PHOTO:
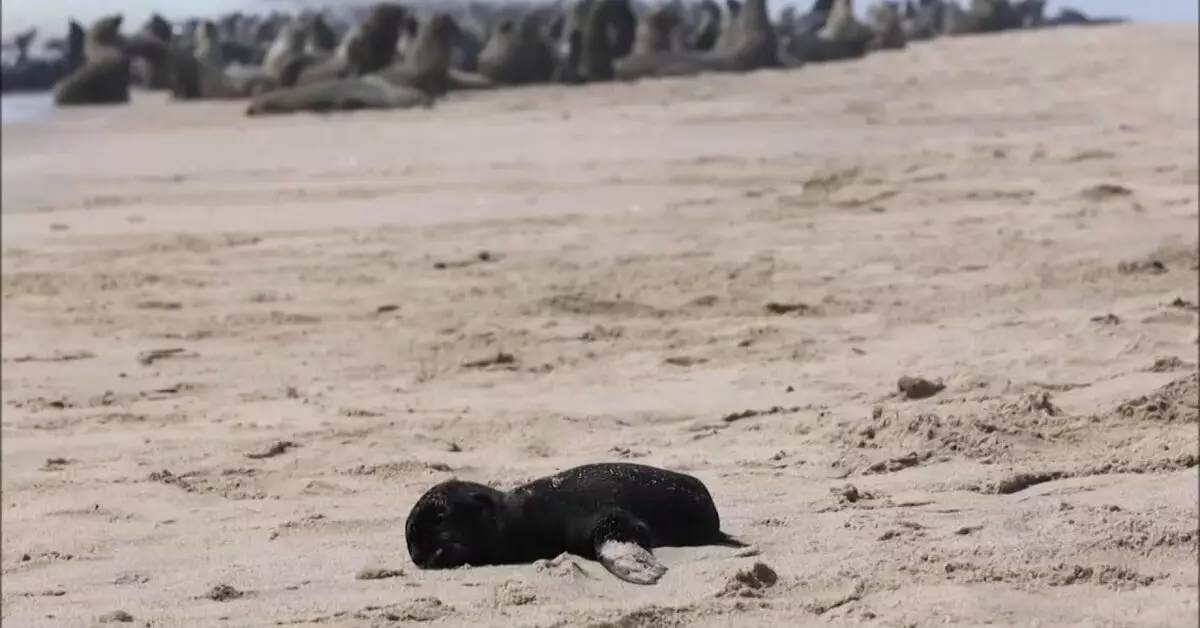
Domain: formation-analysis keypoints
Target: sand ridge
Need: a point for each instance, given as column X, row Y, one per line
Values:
column 235, row 351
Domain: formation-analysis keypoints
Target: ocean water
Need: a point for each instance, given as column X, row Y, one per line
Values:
column 17, row 108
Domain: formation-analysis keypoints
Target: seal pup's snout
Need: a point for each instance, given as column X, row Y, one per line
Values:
column 452, row 525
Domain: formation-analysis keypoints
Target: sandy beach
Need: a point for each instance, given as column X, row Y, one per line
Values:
column 236, row 350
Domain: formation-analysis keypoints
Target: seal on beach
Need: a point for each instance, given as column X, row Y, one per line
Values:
column 154, row 76
column 840, row 37
column 885, row 20
column 30, row 73
column 708, row 26
column 206, row 45
column 104, row 76
column 361, row 92
column 748, row 43
column 614, row 513
column 368, row 47
column 518, row 51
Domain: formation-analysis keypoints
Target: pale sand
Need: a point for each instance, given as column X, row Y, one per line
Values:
column 957, row 211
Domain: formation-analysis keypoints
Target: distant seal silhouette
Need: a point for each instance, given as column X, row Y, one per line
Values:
column 154, row 76
column 103, row 37
column 956, row 21
column 207, row 45
column 658, row 30
column 321, row 40
column 36, row 74
column 190, row 78
column 614, row 513
column 361, row 92
column 922, row 22
column 104, row 77
column 519, row 51
column 708, row 26
column 368, row 47
column 840, row 37
column 746, row 44
column 286, row 46
column 408, row 84
column 885, row 19
column 994, row 16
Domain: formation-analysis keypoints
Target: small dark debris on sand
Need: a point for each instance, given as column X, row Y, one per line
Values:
column 44, row 593
column 1142, row 267
column 1021, row 481
column 57, row 357
column 1107, row 319
column 683, row 360
column 752, row 582
column 425, row 609
column 131, row 577
column 1184, row 304
column 384, row 309
column 850, row 494
column 358, row 413
column 146, row 358
column 165, row 476
column 276, row 448
column 115, row 617
column 1105, row 191
column 919, row 387
column 378, row 573
column 481, row 257
column 160, row 305
column 1167, row 365
column 747, row 414
column 966, row 530
column 780, row 309
column 174, row 389
column 223, row 593
column 892, row 465
column 500, row 359
column 55, row 464
column 834, row 600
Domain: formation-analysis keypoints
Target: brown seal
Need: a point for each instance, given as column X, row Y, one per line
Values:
column 520, row 51
column 104, row 76
column 884, row 19
column 368, row 47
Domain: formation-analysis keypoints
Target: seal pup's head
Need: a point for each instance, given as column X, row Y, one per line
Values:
column 453, row 524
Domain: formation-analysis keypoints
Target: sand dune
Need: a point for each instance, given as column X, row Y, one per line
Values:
column 1014, row 215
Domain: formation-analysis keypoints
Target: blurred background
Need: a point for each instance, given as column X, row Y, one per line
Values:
column 50, row 15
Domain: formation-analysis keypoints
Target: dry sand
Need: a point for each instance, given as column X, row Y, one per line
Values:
column 1015, row 215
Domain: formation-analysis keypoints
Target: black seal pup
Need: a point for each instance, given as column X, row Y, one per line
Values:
column 614, row 513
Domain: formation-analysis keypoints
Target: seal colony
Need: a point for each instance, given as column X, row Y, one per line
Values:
column 397, row 56
column 613, row 513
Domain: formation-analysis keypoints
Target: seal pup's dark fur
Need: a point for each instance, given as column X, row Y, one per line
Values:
column 615, row 513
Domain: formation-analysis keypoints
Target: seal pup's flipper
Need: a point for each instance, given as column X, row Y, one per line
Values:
column 621, row 543
column 360, row 92
column 630, row 562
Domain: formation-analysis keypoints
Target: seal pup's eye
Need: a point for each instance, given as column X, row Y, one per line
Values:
column 480, row 500
column 438, row 516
